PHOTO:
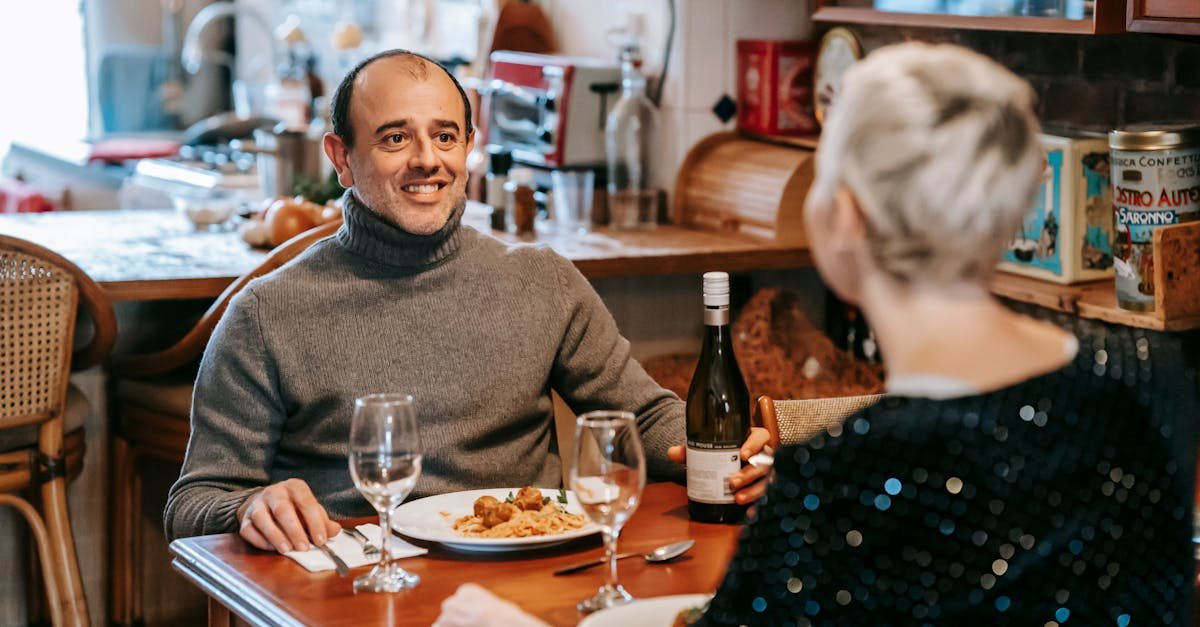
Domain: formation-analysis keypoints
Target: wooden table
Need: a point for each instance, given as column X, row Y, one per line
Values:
column 268, row 589
column 156, row 254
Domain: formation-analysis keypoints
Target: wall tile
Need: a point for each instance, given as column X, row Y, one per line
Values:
column 1124, row 58
column 1080, row 104
column 1028, row 54
column 671, row 148
column 1155, row 106
column 581, row 27
column 698, row 125
column 706, row 62
column 1187, row 64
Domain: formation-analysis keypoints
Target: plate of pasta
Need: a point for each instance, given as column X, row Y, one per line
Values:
column 495, row 520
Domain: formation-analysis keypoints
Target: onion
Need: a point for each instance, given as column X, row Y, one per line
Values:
column 287, row 219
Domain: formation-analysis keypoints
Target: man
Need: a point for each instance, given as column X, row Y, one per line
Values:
column 403, row 299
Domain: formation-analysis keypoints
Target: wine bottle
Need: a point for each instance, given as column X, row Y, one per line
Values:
column 718, row 413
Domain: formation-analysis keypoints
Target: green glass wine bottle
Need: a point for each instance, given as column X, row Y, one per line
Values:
column 718, row 413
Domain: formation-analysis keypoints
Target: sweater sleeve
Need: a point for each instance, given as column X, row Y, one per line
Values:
column 804, row 540
column 236, row 420
column 594, row 370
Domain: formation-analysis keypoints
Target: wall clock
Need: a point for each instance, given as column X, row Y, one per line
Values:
column 839, row 50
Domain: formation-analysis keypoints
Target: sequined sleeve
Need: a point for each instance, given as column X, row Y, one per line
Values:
column 1064, row 500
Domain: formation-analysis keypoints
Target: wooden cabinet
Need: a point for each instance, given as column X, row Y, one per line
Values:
column 1179, row 17
column 1108, row 17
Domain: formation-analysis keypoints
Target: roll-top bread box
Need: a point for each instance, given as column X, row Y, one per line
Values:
column 735, row 184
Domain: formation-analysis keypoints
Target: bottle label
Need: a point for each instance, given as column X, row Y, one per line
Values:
column 708, row 472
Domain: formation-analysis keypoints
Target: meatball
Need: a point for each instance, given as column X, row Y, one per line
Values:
column 529, row 499
column 499, row 514
column 485, row 504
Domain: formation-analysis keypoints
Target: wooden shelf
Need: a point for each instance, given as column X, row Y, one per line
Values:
column 1096, row 300
column 1109, row 18
column 1176, row 287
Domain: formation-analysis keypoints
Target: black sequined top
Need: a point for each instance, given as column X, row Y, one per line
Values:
column 1063, row 500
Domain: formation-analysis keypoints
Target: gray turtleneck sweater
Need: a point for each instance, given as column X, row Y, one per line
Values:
column 477, row 331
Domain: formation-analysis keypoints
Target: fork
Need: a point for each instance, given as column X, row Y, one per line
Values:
column 367, row 547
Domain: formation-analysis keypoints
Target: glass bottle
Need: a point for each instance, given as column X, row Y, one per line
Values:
column 718, row 413
column 522, row 208
column 629, row 136
column 499, row 163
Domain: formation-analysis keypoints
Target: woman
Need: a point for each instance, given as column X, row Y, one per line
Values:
column 1017, row 474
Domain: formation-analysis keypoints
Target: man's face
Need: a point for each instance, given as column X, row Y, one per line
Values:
column 409, row 157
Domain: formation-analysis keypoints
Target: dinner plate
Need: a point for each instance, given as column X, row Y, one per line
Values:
column 651, row 611
column 424, row 519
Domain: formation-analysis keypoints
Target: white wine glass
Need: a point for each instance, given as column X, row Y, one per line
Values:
column 385, row 461
column 608, row 474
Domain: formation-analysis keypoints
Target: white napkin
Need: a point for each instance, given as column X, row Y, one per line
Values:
column 351, row 551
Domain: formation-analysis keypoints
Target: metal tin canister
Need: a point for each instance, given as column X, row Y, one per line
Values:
column 1156, row 182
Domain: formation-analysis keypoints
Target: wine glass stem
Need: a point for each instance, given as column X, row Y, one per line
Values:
column 385, row 537
column 610, row 552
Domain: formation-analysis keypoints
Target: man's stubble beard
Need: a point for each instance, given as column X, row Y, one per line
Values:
column 458, row 205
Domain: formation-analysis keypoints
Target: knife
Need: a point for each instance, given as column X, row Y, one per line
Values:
column 586, row 565
column 342, row 569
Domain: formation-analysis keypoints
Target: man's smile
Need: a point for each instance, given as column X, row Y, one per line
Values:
column 425, row 189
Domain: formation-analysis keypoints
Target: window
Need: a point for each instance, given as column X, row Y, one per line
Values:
column 43, row 73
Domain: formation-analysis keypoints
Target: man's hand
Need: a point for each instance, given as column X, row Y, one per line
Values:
column 750, row 482
column 285, row 516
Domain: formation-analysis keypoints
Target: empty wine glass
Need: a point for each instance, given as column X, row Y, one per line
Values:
column 385, row 461
column 608, row 473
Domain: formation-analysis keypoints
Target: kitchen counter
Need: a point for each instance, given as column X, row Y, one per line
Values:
column 156, row 254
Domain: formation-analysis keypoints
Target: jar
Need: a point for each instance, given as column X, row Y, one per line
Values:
column 1155, row 182
column 499, row 163
column 521, row 204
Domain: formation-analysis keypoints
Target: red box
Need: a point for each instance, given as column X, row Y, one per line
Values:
column 775, row 87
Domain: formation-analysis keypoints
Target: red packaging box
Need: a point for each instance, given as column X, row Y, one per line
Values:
column 775, row 87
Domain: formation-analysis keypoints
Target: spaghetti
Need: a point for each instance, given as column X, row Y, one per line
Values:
column 528, row 515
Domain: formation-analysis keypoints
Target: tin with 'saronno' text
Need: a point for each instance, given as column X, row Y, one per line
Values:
column 1155, row 183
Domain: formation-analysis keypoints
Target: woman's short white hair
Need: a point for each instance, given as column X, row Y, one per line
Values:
column 940, row 147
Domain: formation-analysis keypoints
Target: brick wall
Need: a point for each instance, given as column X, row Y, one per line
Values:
column 1095, row 82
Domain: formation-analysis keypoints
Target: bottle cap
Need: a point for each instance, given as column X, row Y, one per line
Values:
column 499, row 159
column 716, row 289
column 521, row 176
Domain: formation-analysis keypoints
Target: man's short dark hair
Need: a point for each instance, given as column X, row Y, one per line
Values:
column 339, row 109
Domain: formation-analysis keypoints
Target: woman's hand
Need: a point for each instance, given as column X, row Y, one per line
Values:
column 473, row 606
column 750, row 482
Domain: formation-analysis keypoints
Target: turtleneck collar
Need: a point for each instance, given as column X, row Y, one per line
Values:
column 370, row 235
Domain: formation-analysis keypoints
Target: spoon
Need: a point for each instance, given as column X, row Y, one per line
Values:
column 661, row 554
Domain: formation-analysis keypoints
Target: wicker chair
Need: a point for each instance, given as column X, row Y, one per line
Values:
column 41, row 415
column 151, row 414
column 796, row 421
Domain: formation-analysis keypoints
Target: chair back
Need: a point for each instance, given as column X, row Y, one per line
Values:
column 39, row 296
column 796, row 421
column 191, row 345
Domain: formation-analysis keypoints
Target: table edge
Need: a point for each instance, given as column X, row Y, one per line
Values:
column 263, row 612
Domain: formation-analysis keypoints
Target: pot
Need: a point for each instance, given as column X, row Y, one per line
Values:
column 285, row 158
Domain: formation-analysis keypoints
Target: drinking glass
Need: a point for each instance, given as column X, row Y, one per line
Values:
column 608, row 473
column 573, row 194
column 385, row 461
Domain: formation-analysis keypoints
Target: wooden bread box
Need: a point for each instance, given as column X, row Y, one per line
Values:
column 737, row 184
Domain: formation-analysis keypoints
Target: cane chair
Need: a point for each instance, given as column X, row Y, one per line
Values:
column 797, row 421
column 151, row 420
column 41, row 415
